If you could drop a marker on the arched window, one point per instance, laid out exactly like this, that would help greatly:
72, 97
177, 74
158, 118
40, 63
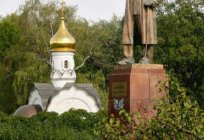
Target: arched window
65, 64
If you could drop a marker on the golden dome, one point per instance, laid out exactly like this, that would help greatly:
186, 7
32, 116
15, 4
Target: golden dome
62, 40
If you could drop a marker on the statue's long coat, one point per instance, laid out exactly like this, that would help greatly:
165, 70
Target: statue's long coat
140, 23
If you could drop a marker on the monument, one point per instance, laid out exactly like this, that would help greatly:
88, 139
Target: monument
63, 93
134, 86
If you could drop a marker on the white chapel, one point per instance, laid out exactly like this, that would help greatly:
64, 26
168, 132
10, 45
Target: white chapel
62, 94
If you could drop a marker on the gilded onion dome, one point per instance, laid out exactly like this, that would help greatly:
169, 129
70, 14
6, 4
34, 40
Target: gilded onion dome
62, 40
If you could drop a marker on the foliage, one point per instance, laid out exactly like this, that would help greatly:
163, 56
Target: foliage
9, 35
72, 125
175, 118
109, 41
112, 128
181, 45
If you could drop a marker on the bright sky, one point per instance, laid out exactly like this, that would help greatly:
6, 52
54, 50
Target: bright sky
89, 9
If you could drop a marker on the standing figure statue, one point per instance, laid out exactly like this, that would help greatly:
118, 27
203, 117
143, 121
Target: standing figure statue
139, 29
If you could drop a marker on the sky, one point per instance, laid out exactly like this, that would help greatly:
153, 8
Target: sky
92, 10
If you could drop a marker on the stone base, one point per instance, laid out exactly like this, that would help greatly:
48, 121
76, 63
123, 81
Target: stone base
134, 88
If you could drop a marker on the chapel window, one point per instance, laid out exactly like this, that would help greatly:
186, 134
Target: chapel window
65, 64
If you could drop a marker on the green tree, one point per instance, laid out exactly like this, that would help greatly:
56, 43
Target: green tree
8, 38
181, 44
9, 35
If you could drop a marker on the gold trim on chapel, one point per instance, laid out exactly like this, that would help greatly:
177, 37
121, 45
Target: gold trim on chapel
62, 41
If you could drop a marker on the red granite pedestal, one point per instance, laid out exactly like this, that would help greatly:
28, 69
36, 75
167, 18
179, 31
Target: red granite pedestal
134, 88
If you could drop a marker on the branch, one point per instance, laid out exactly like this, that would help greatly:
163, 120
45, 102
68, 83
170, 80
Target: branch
6, 77
82, 63
90, 53
180, 129
51, 28
28, 79
42, 59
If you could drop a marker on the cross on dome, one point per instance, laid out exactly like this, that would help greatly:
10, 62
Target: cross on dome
62, 9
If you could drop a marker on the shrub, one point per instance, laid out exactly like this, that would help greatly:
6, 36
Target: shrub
72, 125
177, 117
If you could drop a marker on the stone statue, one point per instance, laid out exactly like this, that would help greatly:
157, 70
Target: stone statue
139, 29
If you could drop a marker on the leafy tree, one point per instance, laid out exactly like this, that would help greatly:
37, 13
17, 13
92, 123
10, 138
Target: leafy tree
181, 44
8, 38
9, 35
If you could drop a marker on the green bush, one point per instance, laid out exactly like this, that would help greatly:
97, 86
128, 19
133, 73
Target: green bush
177, 117
72, 125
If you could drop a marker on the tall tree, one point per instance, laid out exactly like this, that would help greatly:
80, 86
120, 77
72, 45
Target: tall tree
181, 44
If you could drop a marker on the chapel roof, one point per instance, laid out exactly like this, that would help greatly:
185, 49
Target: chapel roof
47, 91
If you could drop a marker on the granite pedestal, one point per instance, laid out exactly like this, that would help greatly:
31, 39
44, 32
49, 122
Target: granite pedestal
135, 88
